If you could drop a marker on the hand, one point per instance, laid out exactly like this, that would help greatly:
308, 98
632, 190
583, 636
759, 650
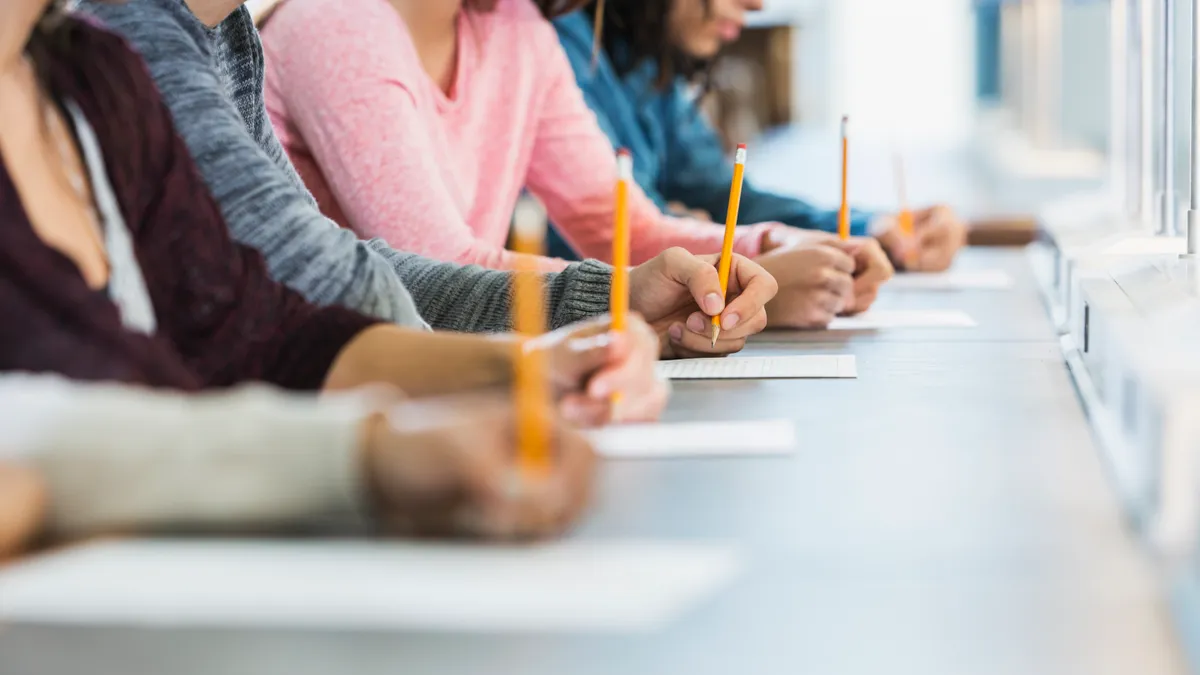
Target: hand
680, 209
678, 293
938, 234
447, 467
816, 284
22, 508
871, 270
783, 236
588, 363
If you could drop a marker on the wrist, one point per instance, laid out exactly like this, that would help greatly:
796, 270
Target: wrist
372, 431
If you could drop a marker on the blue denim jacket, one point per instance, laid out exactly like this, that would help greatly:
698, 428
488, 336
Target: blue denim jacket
678, 156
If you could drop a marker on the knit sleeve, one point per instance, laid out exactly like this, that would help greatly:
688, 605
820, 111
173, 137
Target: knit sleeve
264, 207
473, 299
573, 169
119, 457
344, 73
228, 319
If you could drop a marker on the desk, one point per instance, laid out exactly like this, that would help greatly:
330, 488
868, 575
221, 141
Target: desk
961, 525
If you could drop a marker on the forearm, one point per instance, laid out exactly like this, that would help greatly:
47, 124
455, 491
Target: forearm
117, 458
422, 363
471, 299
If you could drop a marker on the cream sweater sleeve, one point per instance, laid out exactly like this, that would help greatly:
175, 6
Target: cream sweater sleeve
121, 458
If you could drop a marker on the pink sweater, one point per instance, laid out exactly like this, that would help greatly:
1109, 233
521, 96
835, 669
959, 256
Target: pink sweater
388, 154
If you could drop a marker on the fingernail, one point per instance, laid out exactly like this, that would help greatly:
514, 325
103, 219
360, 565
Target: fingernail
676, 332
599, 389
713, 304
695, 323
730, 321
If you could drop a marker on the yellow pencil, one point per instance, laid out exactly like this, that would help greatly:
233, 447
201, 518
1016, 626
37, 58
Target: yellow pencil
597, 34
904, 217
532, 391
844, 211
620, 258
731, 218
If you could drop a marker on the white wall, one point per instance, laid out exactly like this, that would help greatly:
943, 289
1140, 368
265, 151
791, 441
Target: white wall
902, 69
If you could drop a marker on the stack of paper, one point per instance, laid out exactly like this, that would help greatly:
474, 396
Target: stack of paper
966, 280
884, 319
565, 587
695, 439
760, 368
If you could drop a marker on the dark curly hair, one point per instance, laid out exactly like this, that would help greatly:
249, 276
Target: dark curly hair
643, 28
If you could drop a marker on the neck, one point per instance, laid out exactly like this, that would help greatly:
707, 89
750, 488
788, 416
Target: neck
213, 12
429, 20
17, 20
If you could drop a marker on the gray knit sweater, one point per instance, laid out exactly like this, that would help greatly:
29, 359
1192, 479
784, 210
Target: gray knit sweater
212, 81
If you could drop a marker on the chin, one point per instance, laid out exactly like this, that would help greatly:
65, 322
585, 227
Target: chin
705, 49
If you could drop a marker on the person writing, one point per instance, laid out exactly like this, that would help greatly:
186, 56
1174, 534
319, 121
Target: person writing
642, 95
82, 459
207, 60
421, 122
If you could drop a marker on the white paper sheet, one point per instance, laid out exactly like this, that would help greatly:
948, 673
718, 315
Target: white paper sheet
695, 439
904, 318
820, 366
565, 587
965, 280
1146, 245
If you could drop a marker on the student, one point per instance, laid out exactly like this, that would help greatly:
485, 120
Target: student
654, 54
115, 263
421, 121
206, 57
95, 458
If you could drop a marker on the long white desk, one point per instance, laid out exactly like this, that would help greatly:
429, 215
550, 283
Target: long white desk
946, 513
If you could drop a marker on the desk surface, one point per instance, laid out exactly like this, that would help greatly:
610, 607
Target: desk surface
955, 519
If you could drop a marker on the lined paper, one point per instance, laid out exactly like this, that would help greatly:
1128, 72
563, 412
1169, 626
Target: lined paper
821, 366
695, 439
565, 587
904, 318
965, 280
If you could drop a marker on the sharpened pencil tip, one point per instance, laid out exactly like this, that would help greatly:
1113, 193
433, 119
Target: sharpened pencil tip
716, 332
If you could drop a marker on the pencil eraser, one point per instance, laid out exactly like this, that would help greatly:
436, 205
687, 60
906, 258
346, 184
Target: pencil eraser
741, 146
624, 165
739, 157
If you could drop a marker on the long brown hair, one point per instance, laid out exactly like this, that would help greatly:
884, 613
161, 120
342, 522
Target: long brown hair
640, 30
47, 38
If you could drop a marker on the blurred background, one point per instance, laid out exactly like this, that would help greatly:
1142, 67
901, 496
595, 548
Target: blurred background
995, 105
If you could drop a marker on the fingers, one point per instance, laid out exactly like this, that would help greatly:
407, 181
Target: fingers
585, 411
837, 282
940, 235
699, 275
837, 259
696, 340
533, 507
576, 361
750, 289
643, 394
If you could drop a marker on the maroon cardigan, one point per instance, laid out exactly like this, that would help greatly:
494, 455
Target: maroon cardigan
221, 319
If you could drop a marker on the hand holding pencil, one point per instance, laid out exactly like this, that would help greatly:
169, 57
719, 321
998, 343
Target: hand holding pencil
731, 218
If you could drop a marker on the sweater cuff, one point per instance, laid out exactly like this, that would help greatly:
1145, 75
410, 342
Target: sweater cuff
580, 292
132, 459
749, 238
